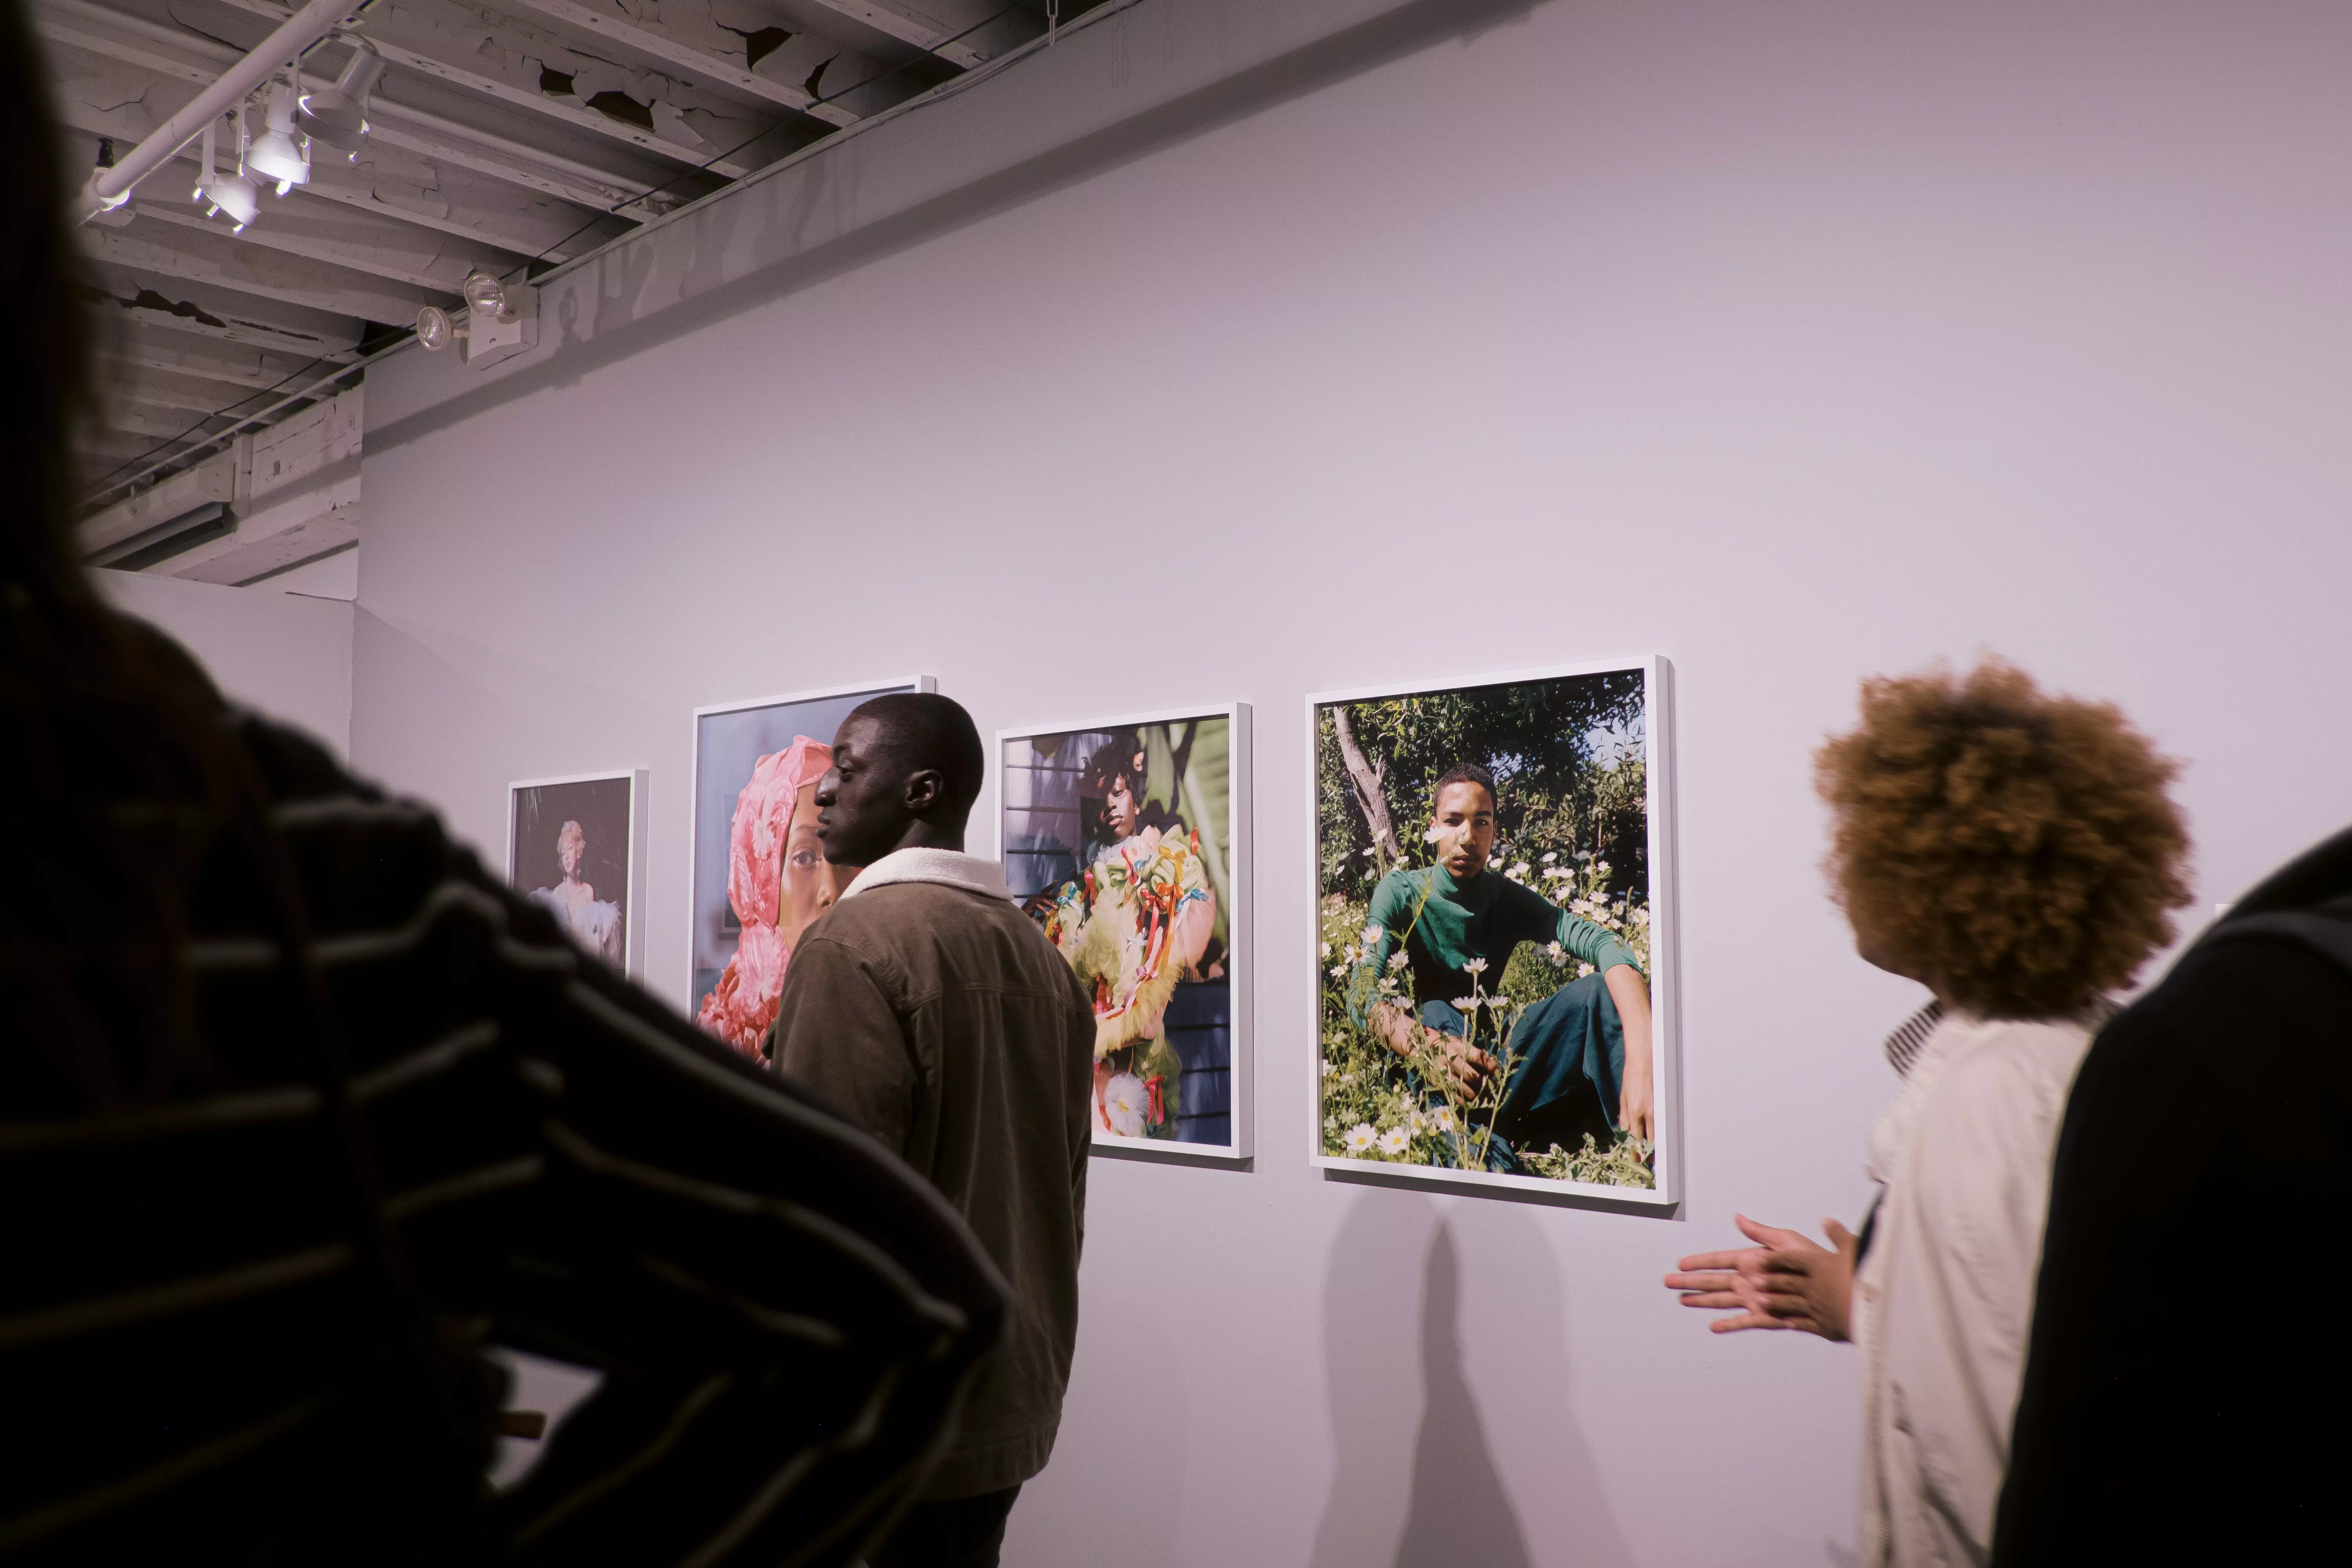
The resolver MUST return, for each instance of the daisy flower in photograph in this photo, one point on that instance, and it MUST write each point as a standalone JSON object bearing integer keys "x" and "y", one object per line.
{"x": 1124, "y": 1101}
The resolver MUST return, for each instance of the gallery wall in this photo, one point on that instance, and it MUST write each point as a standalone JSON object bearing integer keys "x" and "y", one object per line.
{"x": 1792, "y": 341}
{"x": 287, "y": 654}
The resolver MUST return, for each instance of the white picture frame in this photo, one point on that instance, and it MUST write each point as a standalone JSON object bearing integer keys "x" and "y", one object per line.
{"x": 632, "y": 925}
{"x": 1240, "y": 922}
{"x": 1664, "y": 977}
{"x": 697, "y": 903}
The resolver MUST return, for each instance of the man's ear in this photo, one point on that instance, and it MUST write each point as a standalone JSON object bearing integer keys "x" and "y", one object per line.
{"x": 922, "y": 790}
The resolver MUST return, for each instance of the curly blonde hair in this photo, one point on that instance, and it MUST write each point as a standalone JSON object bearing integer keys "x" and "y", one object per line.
{"x": 2017, "y": 852}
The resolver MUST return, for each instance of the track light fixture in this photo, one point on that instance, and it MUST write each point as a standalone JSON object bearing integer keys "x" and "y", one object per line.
{"x": 274, "y": 153}
{"x": 230, "y": 193}
{"x": 337, "y": 115}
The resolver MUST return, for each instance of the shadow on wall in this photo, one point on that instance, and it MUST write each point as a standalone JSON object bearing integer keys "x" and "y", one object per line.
{"x": 1118, "y": 1489}
{"x": 1458, "y": 1511}
{"x": 1418, "y": 1481}
{"x": 1422, "y": 1468}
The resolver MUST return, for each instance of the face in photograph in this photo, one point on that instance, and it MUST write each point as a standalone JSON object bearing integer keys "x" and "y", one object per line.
{"x": 761, "y": 878}
{"x": 810, "y": 882}
{"x": 1119, "y": 775}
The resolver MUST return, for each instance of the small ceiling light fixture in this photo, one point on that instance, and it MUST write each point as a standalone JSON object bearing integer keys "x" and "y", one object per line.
{"x": 337, "y": 115}
{"x": 435, "y": 330}
{"x": 275, "y": 154}
{"x": 501, "y": 321}
{"x": 486, "y": 296}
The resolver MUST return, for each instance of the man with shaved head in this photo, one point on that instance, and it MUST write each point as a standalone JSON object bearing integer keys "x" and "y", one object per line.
{"x": 929, "y": 1011}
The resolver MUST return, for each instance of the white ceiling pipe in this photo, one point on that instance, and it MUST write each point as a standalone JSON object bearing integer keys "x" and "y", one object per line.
{"x": 110, "y": 188}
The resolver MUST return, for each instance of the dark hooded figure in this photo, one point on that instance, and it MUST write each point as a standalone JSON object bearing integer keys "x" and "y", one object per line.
{"x": 2185, "y": 1381}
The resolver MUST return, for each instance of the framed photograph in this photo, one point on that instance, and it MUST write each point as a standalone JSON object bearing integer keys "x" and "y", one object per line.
{"x": 1494, "y": 929}
{"x": 577, "y": 845}
{"x": 1127, "y": 840}
{"x": 759, "y": 875}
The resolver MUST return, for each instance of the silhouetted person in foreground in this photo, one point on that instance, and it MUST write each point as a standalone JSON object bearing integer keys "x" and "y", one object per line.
{"x": 2187, "y": 1381}
{"x": 938, "y": 1017}
{"x": 300, "y": 1108}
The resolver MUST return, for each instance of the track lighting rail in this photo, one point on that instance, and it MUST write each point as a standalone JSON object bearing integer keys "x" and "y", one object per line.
{"x": 110, "y": 188}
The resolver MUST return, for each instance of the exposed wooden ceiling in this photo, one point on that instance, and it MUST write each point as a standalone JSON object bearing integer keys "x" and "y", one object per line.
{"x": 530, "y": 132}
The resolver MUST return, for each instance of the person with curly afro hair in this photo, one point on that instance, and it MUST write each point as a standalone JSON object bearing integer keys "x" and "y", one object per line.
{"x": 2018, "y": 854}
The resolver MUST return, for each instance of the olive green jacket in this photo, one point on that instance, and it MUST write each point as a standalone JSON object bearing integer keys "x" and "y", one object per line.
{"x": 930, "y": 1011}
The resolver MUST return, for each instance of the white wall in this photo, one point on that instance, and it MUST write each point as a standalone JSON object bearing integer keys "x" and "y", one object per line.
{"x": 1793, "y": 341}
{"x": 288, "y": 655}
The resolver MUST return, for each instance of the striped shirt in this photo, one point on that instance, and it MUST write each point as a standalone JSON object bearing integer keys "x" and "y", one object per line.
{"x": 244, "y": 1325}
{"x": 1903, "y": 1045}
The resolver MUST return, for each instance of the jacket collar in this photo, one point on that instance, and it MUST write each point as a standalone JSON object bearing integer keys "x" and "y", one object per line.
{"x": 949, "y": 868}
{"x": 1903, "y": 1046}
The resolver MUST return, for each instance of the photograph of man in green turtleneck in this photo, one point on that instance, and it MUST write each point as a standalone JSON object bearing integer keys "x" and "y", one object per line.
{"x": 1485, "y": 898}
{"x": 1592, "y": 1033}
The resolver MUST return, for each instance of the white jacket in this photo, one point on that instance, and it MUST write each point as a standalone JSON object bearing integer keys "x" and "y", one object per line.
{"x": 1944, "y": 1297}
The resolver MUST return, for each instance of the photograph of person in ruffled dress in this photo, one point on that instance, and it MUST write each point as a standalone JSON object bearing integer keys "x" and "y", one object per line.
{"x": 760, "y": 873}
{"x": 1119, "y": 841}
{"x": 1484, "y": 913}
{"x": 571, "y": 854}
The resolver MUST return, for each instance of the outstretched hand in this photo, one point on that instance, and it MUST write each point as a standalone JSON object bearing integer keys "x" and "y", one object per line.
{"x": 1787, "y": 1281}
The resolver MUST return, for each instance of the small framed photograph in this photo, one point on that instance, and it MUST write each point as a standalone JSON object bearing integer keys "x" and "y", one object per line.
{"x": 1127, "y": 840}
{"x": 577, "y": 845}
{"x": 1494, "y": 933}
{"x": 759, "y": 874}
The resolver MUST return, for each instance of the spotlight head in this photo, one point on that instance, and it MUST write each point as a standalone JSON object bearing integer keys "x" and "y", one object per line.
{"x": 434, "y": 329}
{"x": 486, "y": 296}
{"x": 275, "y": 156}
{"x": 337, "y": 115}
{"x": 233, "y": 195}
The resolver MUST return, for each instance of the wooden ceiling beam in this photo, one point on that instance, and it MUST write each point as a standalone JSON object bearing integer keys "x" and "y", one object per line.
{"x": 157, "y": 422}
{"x": 201, "y": 309}
{"x": 232, "y": 369}
{"x": 216, "y": 257}
{"x": 959, "y": 32}
{"x": 162, "y": 389}
{"x": 714, "y": 53}
{"x": 344, "y": 237}
{"x": 101, "y": 448}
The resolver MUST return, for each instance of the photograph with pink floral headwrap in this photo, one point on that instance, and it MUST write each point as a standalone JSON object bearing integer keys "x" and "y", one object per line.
{"x": 759, "y": 874}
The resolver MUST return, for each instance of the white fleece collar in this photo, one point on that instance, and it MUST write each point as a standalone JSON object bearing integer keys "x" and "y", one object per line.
{"x": 949, "y": 868}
